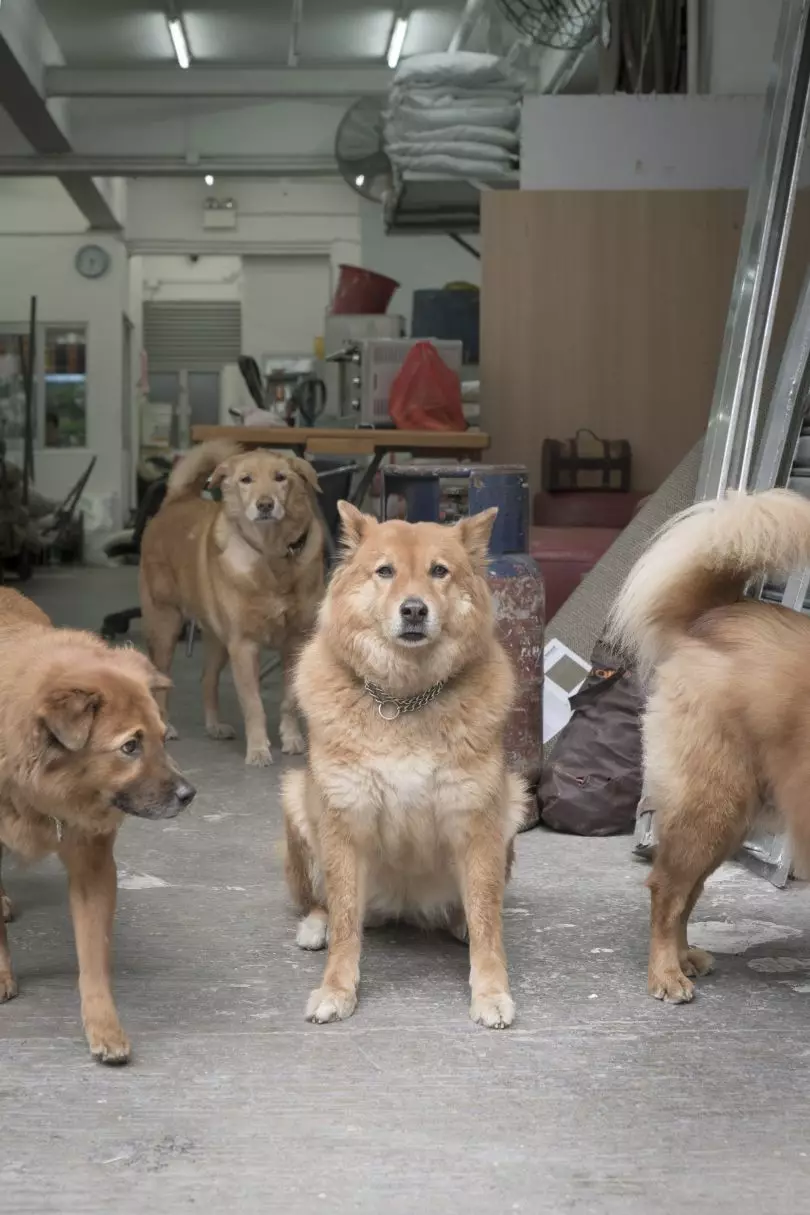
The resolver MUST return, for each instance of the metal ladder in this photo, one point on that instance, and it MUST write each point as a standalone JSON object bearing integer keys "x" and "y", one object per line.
{"x": 744, "y": 446}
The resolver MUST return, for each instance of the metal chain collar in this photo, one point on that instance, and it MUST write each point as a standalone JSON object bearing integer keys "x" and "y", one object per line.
{"x": 390, "y": 707}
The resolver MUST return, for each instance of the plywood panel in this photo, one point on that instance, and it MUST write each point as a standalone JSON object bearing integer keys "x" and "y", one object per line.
{"x": 607, "y": 310}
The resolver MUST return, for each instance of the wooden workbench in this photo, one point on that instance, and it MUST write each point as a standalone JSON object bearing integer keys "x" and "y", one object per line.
{"x": 343, "y": 441}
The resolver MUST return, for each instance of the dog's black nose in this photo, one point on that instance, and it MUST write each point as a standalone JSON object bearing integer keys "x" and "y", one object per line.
{"x": 413, "y": 611}
{"x": 185, "y": 793}
{"x": 266, "y": 504}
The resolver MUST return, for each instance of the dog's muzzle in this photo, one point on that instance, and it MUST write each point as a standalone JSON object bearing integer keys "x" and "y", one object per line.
{"x": 269, "y": 510}
{"x": 167, "y": 802}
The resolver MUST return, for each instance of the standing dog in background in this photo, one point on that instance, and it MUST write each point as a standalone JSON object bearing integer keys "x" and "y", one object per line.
{"x": 81, "y": 745}
{"x": 248, "y": 569}
{"x": 727, "y": 725}
{"x": 406, "y": 809}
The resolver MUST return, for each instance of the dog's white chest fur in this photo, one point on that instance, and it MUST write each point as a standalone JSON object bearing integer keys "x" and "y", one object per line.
{"x": 404, "y": 789}
{"x": 404, "y": 807}
{"x": 240, "y": 558}
{"x": 403, "y": 783}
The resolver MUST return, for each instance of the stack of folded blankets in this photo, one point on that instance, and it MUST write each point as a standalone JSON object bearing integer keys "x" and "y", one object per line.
{"x": 456, "y": 114}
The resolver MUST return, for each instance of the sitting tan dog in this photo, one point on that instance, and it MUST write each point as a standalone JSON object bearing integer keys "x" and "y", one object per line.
{"x": 406, "y": 809}
{"x": 248, "y": 569}
{"x": 81, "y": 741}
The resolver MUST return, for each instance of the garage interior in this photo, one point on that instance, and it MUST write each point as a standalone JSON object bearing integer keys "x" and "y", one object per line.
{"x": 185, "y": 191}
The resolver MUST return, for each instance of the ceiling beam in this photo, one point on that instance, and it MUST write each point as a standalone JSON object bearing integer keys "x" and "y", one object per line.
{"x": 207, "y": 82}
{"x": 28, "y": 111}
{"x": 72, "y": 164}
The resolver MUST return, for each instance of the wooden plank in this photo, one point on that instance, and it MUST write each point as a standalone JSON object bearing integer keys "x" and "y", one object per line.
{"x": 340, "y": 441}
{"x": 606, "y": 310}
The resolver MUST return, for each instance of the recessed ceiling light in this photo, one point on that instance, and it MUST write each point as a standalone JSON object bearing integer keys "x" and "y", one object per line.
{"x": 209, "y": 179}
{"x": 358, "y": 181}
{"x": 179, "y": 41}
{"x": 397, "y": 41}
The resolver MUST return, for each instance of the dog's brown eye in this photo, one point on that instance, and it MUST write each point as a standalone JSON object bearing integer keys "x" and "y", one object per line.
{"x": 247, "y": 479}
{"x": 437, "y": 570}
{"x": 132, "y": 746}
{"x": 385, "y": 571}
{"x": 280, "y": 477}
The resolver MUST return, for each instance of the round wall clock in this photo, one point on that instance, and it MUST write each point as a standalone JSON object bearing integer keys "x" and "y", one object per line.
{"x": 92, "y": 261}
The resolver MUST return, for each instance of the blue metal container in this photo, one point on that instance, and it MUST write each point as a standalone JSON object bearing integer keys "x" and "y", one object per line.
{"x": 450, "y": 314}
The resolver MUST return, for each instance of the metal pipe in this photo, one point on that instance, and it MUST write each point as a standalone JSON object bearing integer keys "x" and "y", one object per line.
{"x": 473, "y": 10}
{"x": 692, "y": 46}
{"x": 167, "y": 166}
{"x": 295, "y": 29}
{"x": 734, "y": 418}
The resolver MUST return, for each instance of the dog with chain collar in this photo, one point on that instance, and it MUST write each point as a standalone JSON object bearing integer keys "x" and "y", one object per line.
{"x": 406, "y": 809}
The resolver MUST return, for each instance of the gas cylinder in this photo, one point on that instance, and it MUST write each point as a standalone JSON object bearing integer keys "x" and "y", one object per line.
{"x": 438, "y": 493}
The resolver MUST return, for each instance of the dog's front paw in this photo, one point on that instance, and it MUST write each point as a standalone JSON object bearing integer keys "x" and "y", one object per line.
{"x": 259, "y": 757}
{"x": 8, "y": 987}
{"x": 330, "y": 1004}
{"x": 220, "y": 730}
{"x": 493, "y": 1011}
{"x": 6, "y": 907}
{"x": 108, "y": 1043}
{"x": 672, "y": 986}
{"x": 171, "y": 734}
{"x": 312, "y": 932}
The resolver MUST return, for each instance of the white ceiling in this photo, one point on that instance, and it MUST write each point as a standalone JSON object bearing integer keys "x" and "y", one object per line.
{"x": 109, "y": 33}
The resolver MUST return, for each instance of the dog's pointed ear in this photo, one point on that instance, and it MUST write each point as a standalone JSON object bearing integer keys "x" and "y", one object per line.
{"x": 475, "y": 532}
{"x": 141, "y": 668}
{"x": 68, "y": 714}
{"x": 356, "y": 525}
{"x": 305, "y": 470}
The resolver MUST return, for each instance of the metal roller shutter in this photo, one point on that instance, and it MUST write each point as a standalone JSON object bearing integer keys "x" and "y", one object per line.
{"x": 198, "y": 334}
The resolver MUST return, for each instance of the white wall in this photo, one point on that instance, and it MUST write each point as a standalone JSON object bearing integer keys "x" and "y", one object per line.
{"x": 182, "y": 277}
{"x": 739, "y": 38}
{"x": 284, "y": 300}
{"x": 621, "y": 142}
{"x": 36, "y": 206}
{"x": 413, "y": 261}
{"x": 282, "y": 216}
{"x": 43, "y": 266}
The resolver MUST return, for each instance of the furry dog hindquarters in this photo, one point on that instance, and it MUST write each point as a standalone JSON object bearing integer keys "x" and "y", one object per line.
{"x": 248, "y": 570}
{"x": 727, "y": 725}
{"x": 406, "y": 809}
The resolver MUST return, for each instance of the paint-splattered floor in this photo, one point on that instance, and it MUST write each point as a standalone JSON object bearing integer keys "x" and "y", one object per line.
{"x": 597, "y": 1101}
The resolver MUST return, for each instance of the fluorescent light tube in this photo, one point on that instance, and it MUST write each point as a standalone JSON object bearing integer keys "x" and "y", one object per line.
{"x": 178, "y": 37}
{"x": 397, "y": 40}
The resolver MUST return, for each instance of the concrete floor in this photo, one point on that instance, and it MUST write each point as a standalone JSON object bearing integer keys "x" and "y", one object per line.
{"x": 598, "y": 1100}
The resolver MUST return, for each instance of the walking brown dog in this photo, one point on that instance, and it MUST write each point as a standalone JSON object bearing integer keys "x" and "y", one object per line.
{"x": 81, "y": 745}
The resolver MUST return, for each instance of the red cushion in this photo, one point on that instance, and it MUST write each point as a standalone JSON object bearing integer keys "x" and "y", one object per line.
{"x": 594, "y": 508}
{"x": 565, "y": 555}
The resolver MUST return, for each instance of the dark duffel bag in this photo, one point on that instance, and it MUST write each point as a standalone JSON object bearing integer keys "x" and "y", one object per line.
{"x": 586, "y": 462}
{"x": 591, "y": 784}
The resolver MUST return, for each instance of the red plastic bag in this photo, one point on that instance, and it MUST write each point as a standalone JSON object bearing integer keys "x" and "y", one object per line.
{"x": 426, "y": 394}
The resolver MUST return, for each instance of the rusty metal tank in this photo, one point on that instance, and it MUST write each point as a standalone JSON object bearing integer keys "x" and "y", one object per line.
{"x": 444, "y": 493}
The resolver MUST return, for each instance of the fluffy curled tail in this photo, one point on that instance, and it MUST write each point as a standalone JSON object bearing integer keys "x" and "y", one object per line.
{"x": 191, "y": 472}
{"x": 703, "y": 559}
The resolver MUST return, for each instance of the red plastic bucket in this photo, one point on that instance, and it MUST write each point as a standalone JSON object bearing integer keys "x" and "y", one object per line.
{"x": 362, "y": 292}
